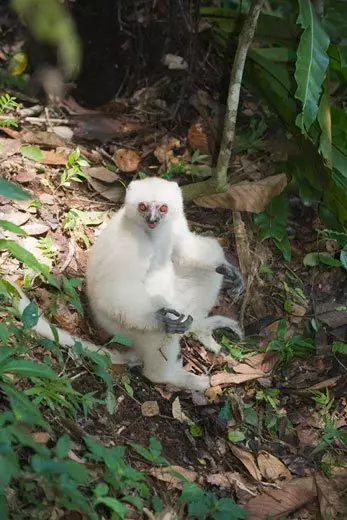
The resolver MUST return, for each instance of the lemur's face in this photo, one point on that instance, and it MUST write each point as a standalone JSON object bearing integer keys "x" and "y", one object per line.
{"x": 153, "y": 202}
{"x": 153, "y": 212}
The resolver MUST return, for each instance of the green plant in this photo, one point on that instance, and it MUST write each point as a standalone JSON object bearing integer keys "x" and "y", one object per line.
{"x": 322, "y": 399}
{"x": 73, "y": 169}
{"x": 70, "y": 220}
{"x": 48, "y": 248}
{"x": 174, "y": 169}
{"x": 288, "y": 348}
{"x": 248, "y": 139}
{"x": 7, "y": 103}
{"x": 312, "y": 259}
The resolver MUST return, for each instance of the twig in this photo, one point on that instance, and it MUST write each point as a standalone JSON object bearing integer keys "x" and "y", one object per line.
{"x": 69, "y": 257}
{"x": 55, "y": 120}
{"x": 219, "y": 182}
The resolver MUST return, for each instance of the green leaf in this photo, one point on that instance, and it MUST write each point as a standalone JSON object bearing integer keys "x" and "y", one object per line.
{"x": 122, "y": 340}
{"x": 227, "y": 509}
{"x": 27, "y": 368}
{"x": 311, "y": 64}
{"x": 311, "y": 259}
{"x": 192, "y": 492}
{"x": 8, "y": 226}
{"x": 155, "y": 447}
{"x": 343, "y": 259}
{"x": 141, "y": 450}
{"x": 101, "y": 489}
{"x": 196, "y": 430}
{"x": 11, "y": 191}
{"x": 327, "y": 259}
{"x": 32, "y": 152}
{"x": 113, "y": 504}
{"x": 62, "y": 447}
{"x": 22, "y": 407}
{"x": 340, "y": 347}
{"x": 236, "y": 436}
{"x": 30, "y": 316}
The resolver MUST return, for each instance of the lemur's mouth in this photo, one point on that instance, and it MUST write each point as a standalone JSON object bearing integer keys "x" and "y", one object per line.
{"x": 152, "y": 225}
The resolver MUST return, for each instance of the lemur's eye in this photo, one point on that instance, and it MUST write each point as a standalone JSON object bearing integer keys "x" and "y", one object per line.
{"x": 142, "y": 207}
{"x": 163, "y": 208}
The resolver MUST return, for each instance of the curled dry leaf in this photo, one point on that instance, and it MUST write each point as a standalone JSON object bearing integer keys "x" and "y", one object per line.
{"x": 178, "y": 414}
{"x": 52, "y": 157}
{"x": 278, "y": 503}
{"x": 271, "y": 467}
{"x": 9, "y": 147}
{"x": 246, "y": 196}
{"x": 213, "y": 393}
{"x": 126, "y": 160}
{"x": 150, "y": 408}
{"x": 165, "y": 474}
{"x": 248, "y": 460}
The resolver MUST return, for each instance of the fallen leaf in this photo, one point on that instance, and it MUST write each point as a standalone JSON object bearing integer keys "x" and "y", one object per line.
{"x": 150, "y": 408}
{"x": 246, "y": 196}
{"x": 282, "y": 502}
{"x": 329, "y": 500}
{"x": 229, "y": 480}
{"x": 27, "y": 175}
{"x": 226, "y": 378}
{"x": 16, "y": 217}
{"x": 174, "y": 62}
{"x": 165, "y": 474}
{"x": 98, "y": 127}
{"x": 164, "y": 394}
{"x": 126, "y": 160}
{"x": 35, "y": 229}
{"x": 197, "y": 138}
{"x": 213, "y": 393}
{"x": 46, "y": 198}
{"x": 108, "y": 191}
{"x": 178, "y": 414}
{"x": 52, "y": 157}
{"x": 43, "y": 138}
{"x": 64, "y": 132}
{"x": 327, "y": 314}
{"x": 101, "y": 174}
{"x": 9, "y": 147}
{"x": 41, "y": 437}
{"x": 165, "y": 151}
{"x": 271, "y": 467}
{"x": 247, "y": 460}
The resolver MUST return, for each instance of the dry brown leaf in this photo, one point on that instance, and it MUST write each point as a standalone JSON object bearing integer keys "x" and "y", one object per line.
{"x": 9, "y": 147}
{"x": 164, "y": 152}
{"x": 164, "y": 394}
{"x": 230, "y": 480}
{"x": 101, "y": 174}
{"x": 52, "y": 157}
{"x": 197, "y": 138}
{"x": 126, "y": 160}
{"x": 43, "y": 138}
{"x": 244, "y": 368}
{"x": 46, "y": 198}
{"x": 246, "y": 196}
{"x": 247, "y": 460}
{"x": 26, "y": 175}
{"x": 282, "y": 502}
{"x": 108, "y": 191}
{"x": 178, "y": 414}
{"x": 150, "y": 408}
{"x": 330, "y": 503}
{"x": 35, "y": 229}
{"x": 225, "y": 378}
{"x": 16, "y": 217}
{"x": 165, "y": 474}
{"x": 271, "y": 467}
{"x": 213, "y": 393}
{"x": 41, "y": 437}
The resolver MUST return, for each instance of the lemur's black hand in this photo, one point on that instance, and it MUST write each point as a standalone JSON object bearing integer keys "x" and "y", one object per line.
{"x": 174, "y": 322}
{"x": 234, "y": 277}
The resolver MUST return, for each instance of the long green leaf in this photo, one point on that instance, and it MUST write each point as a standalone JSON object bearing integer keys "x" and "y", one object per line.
{"x": 13, "y": 228}
{"x": 27, "y": 368}
{"x": 311, "y": 64}
{"x": 11, "y": 191}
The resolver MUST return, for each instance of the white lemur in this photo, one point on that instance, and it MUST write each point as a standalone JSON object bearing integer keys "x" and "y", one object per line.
{"x": 149, "y": 277}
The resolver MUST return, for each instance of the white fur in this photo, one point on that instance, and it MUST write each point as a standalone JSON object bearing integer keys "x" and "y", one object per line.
{"x": 134, "y": 271}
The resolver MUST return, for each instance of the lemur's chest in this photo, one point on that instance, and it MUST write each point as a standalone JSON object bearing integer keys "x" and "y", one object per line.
{"x": 159, "y": 275}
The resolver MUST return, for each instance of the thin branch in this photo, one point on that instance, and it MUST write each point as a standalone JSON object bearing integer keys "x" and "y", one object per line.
{"x": 219, "y": 182}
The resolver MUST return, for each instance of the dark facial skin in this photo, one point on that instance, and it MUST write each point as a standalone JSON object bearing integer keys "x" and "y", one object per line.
{"x": 152, "y": 212}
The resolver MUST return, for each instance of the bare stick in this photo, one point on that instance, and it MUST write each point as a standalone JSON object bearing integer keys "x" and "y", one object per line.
{"x": 219, "y": 182}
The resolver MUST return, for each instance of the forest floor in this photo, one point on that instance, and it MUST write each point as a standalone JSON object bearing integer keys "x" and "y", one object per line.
{"x": 272, "y": 431}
